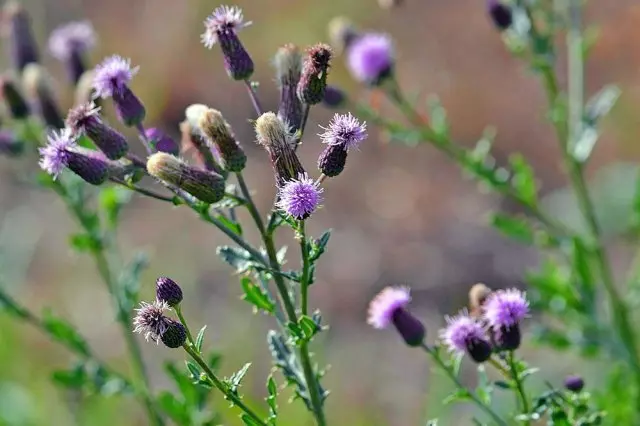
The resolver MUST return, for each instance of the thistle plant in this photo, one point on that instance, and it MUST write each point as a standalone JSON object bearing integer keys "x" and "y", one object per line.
{"x": 92, "y": 166}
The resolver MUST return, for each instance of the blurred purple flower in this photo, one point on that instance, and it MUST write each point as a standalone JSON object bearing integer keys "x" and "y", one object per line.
{"x": 113, "y": 75}
{"x": 370, "y": 58}
{"x": 465, "y": 334}
{"x": 344, "y": 130}
{"x": 299, "y": 198}
{"x": 506, "y": 308}
{"x": 55, "y": 155}
{"x": 385, "y": 304}
{"x": 72, "y": 38}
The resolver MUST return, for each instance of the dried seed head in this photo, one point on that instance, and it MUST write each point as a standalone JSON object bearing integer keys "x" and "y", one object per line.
{"x": 14, "y": 99}
{"x": 204, "y": 185}
{"x": 38, "y": 86}
{"x": 23, "y": 46}
{"x": 86, "y": 119}
{"x": 342, "y": 32}
{"x": 313, "y": 80}
{"x": 213, "y": 125}
{"x": 273, "y": 135}
{"x": 288, "y": 63}
{"x": 175, "y": 335}
{"x": 168, "y": 291}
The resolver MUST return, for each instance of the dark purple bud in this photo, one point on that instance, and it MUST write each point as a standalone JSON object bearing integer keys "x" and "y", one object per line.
{"x": 128, "y": 107}
{"x": 38, "y": 86}
{"x": 161, "y": 142}
{"x": 332, "y": 160}
{"x": 192, "y": 138}
{"x": 14, "y": 100}
{"x": 313, "y": 80}
{"x": 334, "y": 97}
{"x": 23, "y": 47}
{"x": 500, "y": 14}
{"x": 507, "y": 338}
{"x": 410, "y": 328}
{"x": 479, "y": 350}
{"x": 175, "y": 334}
{"x": 288, "y": 63}
{"x": 204, "y": 185}
{"x": 9, "y": 144}
{"x": 91, "y": 166}
{"x": 574, "y": 383}
{"x": 168, "y": 291}
{"x": 86, "y": 119}
{"x": 213, "y": 125}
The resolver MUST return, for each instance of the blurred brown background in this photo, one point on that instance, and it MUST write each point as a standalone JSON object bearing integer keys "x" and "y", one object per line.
{"x": 400, "y": 215}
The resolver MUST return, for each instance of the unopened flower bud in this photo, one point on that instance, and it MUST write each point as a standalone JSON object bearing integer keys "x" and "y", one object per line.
{"x": 506, "y": 338}
{"x": 9, "y": 144}
{"x": 38, "y": 86}
{"x": 334, "y": 97}
{"x": 222, "y": 27}
{"x": 500, "y": 14}
{"x": 23, "y": 46}
{"x": 478, "y": 294}
{"x": 313, "y": 80}
{"x": 213, "y": 125}
{"x": 175, "y": 335}
{"x": 161, "y": 142}
{"x": 390, "y": 307}
{"x": 342, "y": 32}
{"x": 332, "y": 160}
{"x": 14, "y": 99}
{"x": 574, "y": 383}
{"x": 204, "y": 185}
{"x": 273, "y": 135}
{"x": 86, "y": 119}
{"x": 288, "y": 64}
{"x": 168, "y": 291}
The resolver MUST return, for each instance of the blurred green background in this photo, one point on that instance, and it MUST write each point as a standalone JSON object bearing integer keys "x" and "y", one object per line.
{"x": 400, "y": 215}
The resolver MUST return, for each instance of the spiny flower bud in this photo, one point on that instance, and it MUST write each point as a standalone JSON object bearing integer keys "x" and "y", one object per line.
{"x": 574, "y": 383}
{"x": 390, "y": 307}
{"x": 222, "y": 27}
{"x": 111, "y": 79}
{"x": 342, "y": 32}
{"x": 86, "y": 119}
{"x": 14, "y": 100}
{"x": 168, "y": 291}
{"x": 38, "y": 85}
{"x": 313, "y": 80}
{"x": 275, "y": 138}
{"x": 204, "y": 185}
{"x": 175, "y": 335}
{"x": 500, "y": 14}
{"x": 62, "y": 151}
{"x": 9, "y": 144}
{"x": 464, "y": 334}
{"x": 219, "y": 132}
{"x": 478, "y": 294}
{"x": 22, "y": 43}
{"x": 332, "y": 160}
{"x": 160, "y": 141}
{"x": 334, "y": 97}
{"x": 288, "y": 63}
{"x": 370, "y": 58}
{"x": 69, "y": 42}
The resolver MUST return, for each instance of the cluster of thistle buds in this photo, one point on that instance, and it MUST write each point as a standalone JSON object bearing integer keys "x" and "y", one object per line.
{"x": 492, "y": 325}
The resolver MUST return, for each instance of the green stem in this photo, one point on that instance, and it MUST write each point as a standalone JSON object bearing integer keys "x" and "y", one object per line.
{"x": 231, "y": 396}
{"x": 304, "y": 279}
{"x": 498, "y": 366}
{"x": 312, "y": 384}
{"x": 487, "y": 409}
{"x": 178, "y": 310}
{"x": 303, "y": 123}
{"x": 142, "y": 191}
{"x": 522, "y": 396}
{"x": 254, "y": 97}
{"x": 251, "y": 206}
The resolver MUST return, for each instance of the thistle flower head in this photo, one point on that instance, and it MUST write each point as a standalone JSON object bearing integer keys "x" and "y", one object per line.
{"x": 288, "y": 64}
{"x": 213, "y": 125}
{"x": 112, "y": 75}
{"x": 175, "y": 335}
{"x": 55, "y": 155}
{"x": 344, "y": 130}
{"x": 85, "y": 118}
{"x": 167, "y": 290}
{"x": 224, "y": 20}
{"x": 78, "y": 116}
{"x": 313, "y": 80}
{"x": 370, "y": 58}
{"x": 574, "y": 383}
{"x": 506, "y": 308}
{"x": 385, "y": 304}
{"x": 151, "y": 321}
{"x": 272, "y": 133}
{"x": 72, "y": 38}
{"x": 461, "y": 331}
{"x": 300, "y": 197}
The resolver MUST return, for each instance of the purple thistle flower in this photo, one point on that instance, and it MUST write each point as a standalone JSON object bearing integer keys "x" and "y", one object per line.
{"x": 150, "y": 320}
{"x": 111, "y": 79}
{"x": 506, "y": 308}
{"x": 86, "y": 119}
{"x": 344, "y": 130}
{"x": 465, "y": 334}
{"x": 574, "y": 383}
{"x": 222, "y": 27}
{"x": 69, "y": 42}
{"x": 332, "y": 160}
{"x": 370, "y": 58}
{"x": 389, "y": 307}
{"x": 299, "y": 198}
{"x": 55, "y": 155}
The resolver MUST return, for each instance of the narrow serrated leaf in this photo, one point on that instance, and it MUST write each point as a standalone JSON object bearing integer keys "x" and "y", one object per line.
{"x": 200, "y": 339}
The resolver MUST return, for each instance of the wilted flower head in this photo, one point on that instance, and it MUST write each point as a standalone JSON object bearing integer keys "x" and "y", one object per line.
{"x": 370, "y": 58}
{"x": 389, "y": 307}
{"x": 300, "y": 197}
{"x": 72, "y": 38}
{"x": 313, "y": 80}
{"x": 344, "y": 130}
{"x": 506, "y": 308}
{"x": 151, "y": 321}
{"x": 55, "y": 155}
{"x": 112, "y": 75}
{"x": 465, "y": 334}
